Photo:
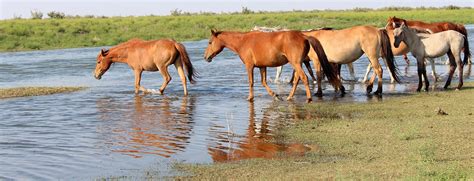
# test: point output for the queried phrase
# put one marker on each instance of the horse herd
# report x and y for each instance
(327, 48)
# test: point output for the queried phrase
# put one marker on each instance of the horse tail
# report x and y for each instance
(461, 29)
(467, 52)
(388, 54)
(183, 55)
(328, 69)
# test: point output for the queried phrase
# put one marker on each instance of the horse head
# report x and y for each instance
(394, 22)
(103, 63)
(399, 34)
(214, 47)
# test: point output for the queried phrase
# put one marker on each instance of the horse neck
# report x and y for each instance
(412, 40)
(119, 54)
(232, 40)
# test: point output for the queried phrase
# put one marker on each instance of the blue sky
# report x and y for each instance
(11, 8)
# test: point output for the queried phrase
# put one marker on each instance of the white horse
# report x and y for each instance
(402, 50)
(429, 46)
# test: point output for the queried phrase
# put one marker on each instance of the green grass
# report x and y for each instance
(29, 34)
(35, 91)
(397, 138)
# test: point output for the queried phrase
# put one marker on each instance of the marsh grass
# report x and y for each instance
(35, 91)
(35, 34)
(397, 138)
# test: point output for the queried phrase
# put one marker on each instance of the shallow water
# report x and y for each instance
(107, 130)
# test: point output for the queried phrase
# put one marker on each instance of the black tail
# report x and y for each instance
(467, 52)
(183, 55)
(388, 54)
(328, 69)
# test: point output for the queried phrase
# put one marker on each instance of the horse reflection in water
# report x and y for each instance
(258, 141)
(150, 125)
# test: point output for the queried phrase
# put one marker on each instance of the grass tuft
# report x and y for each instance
(35, 91)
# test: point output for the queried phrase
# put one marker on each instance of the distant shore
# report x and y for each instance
(75, 32)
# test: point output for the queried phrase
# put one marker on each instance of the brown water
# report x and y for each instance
(108, 131)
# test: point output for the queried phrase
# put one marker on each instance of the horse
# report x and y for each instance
(280, 68)
(433, 27)
(306, 62)
(434, 45)
(154, 55)
(347, 45)
(402, 49)
(271, 49)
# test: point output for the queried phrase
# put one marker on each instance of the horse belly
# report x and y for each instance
(150, 66)
(274, 61)
(434, 51)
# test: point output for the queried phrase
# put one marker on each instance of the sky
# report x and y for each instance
(22, 8)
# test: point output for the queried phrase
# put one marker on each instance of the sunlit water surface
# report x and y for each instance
(108, 131)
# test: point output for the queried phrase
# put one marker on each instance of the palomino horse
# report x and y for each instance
(155, 55)
(280, 68)
(347, 45)
(431, 46)
(271, 49)
(400, 50)
(306, 62)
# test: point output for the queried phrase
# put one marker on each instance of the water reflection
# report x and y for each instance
(159, 126)
(258, 141)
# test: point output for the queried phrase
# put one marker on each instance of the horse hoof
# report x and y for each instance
(369, 90)
(318, 94)
(378, 92)
(277, 97)
(250, 99)
(418, 90)
(161, 92)
(289, 98)
(309, 100)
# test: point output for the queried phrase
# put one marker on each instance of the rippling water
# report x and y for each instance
(107, 130)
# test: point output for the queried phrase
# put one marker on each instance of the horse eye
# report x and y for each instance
(209, 43)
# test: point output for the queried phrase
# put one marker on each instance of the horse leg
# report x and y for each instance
(295, 82)
(350, 68)
(319, 78)
(369, 67)
(138, 77)
(392, 79)
(405, 57)
(166, 78)
(452, 68)
(379, 71)
(263, 74)
(421, 74)
(433, 71)
(278, 74)
(310, 71)
(250, 75)
(460, 70)
(300, 73)
(179, 68)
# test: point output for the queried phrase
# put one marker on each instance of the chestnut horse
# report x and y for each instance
(433, 27)
(155, 55)
(347, 45)
(271, 49)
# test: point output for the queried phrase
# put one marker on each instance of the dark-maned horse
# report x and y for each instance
(271, 49)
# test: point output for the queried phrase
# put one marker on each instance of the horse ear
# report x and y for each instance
(104, 52)
(213, 31)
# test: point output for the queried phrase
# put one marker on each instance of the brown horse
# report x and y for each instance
(155, 55)
(435, 27)
(271, 49)
(347, 45)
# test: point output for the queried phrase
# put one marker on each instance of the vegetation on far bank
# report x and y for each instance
(61, 31)
(424, 136)
(35, 91)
